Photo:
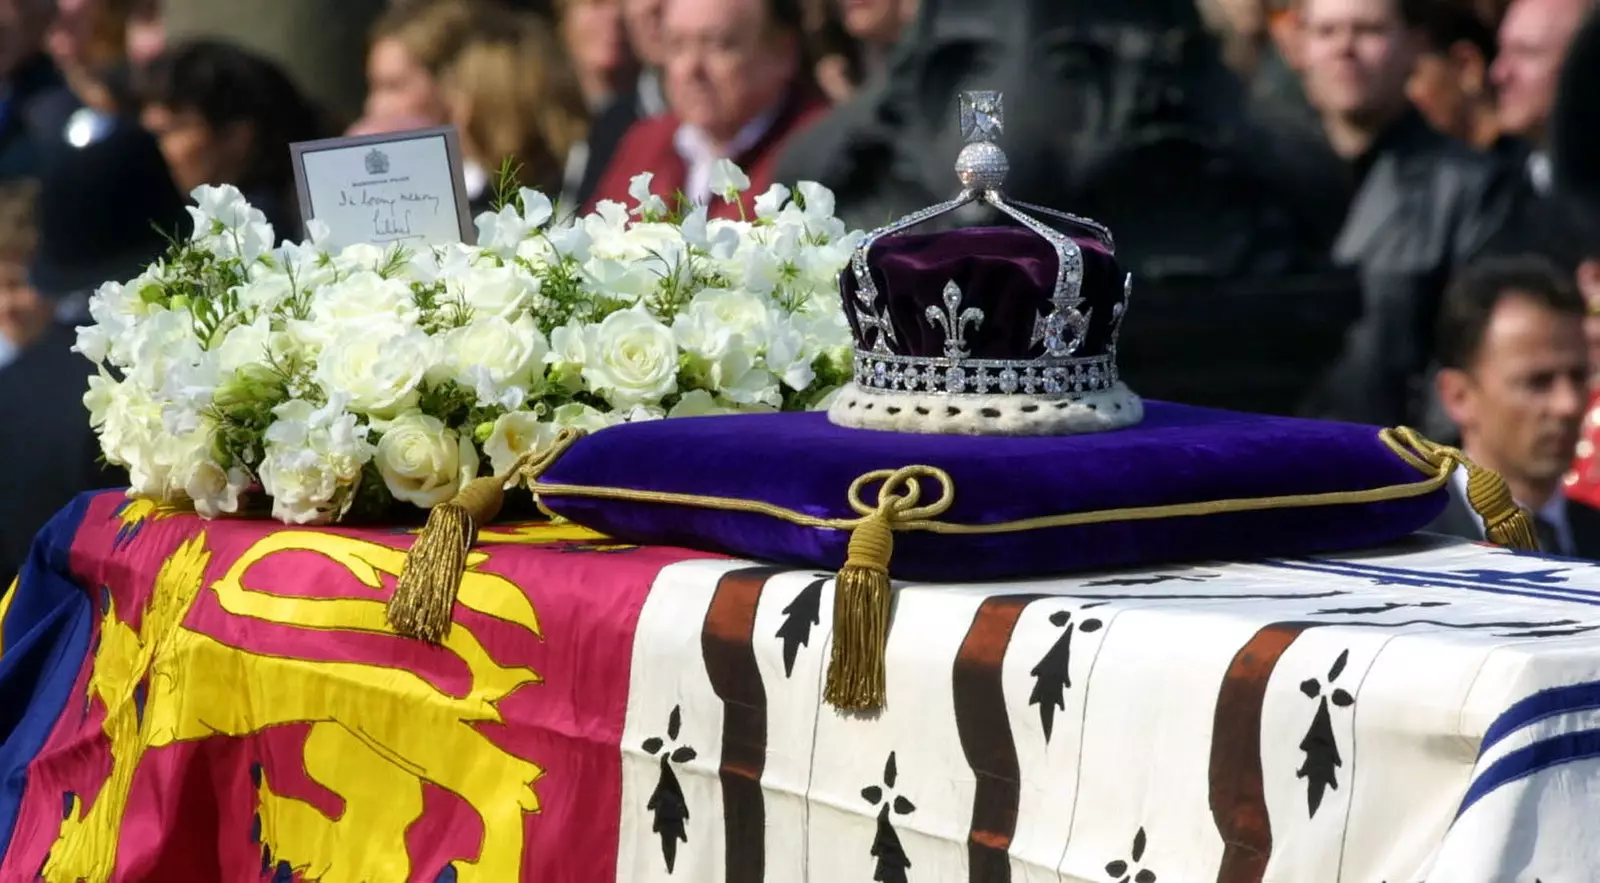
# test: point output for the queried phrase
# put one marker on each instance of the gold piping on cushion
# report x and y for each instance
(863, 596)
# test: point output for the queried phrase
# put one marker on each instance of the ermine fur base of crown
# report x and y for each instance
(987, 413)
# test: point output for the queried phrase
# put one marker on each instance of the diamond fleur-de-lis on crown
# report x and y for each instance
(955, 321)
(982, 116)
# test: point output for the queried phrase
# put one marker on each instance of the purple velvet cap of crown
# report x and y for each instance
(1007, 272)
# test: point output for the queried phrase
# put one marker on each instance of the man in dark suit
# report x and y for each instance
(1514, 378)
(102, 208)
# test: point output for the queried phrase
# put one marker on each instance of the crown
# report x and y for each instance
(377, 162)
(989, 330)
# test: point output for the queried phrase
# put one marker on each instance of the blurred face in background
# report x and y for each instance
(877, 21)
(22, 26)
(399, 86)
(23, 314)
(597, 40)
(1448, 86)
(196, 153)
(145, 36)
(1356, 56)
(1520, 405)
(725, 63)
(71, 32)
(1533, 42)
(643, 19)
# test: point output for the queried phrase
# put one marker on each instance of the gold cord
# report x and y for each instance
(423, 605)
(1505, 523)
(863, 597)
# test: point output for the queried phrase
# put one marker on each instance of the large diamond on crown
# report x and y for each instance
(982, 116)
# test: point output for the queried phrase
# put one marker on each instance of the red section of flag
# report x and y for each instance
(193, 808)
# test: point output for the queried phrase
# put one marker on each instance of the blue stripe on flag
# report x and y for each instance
(1422, 579)
(46, 636)
(1541, 705)
(1528, 760)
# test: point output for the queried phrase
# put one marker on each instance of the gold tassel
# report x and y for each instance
(1505, 523)
(861, 619)
(423, 605)
(862, 595)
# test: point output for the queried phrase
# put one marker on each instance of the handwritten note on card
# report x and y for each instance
(405, 188)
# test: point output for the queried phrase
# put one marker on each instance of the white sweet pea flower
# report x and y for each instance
(789, 356)
(423, 462)
(313, 460)
(634, 360)
(228, 225)
(636, 414)
(198, 478)
(514, 434)
(537, 209)
(728, 180)
(697, 403)
(718, 240)
(651, 207)
(738, 378)
(574, 415)
(501, 232)
(817, 200)
(771, 203)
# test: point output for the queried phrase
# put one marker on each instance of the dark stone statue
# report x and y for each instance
(1122, 111)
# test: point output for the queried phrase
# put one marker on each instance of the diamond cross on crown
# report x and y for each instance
(982, 116)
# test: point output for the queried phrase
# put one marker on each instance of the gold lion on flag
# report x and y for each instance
(377, 735)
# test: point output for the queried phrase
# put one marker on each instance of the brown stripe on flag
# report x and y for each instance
(725, 642)
(985, 731)
(1238, 794)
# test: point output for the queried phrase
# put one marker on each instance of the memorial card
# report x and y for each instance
(404, 187)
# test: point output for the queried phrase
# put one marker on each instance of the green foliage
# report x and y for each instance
(507, 186)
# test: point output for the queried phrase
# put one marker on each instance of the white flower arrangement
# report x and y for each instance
(340, 382)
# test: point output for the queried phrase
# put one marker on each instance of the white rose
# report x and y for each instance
(515, 434)
(501, 292)
(716, 318)
(743, 314)
(500, 361)
(379, 369)
(422, 462)
(634, 360)
(364, 297)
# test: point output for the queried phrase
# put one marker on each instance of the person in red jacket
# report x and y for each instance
(738, 88)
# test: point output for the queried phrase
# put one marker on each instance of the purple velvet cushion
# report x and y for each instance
(1007, 272)
(1179, 454)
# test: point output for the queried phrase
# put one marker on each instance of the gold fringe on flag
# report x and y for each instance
(424, 601)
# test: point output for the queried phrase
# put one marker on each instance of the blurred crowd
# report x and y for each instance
(1410, 143)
